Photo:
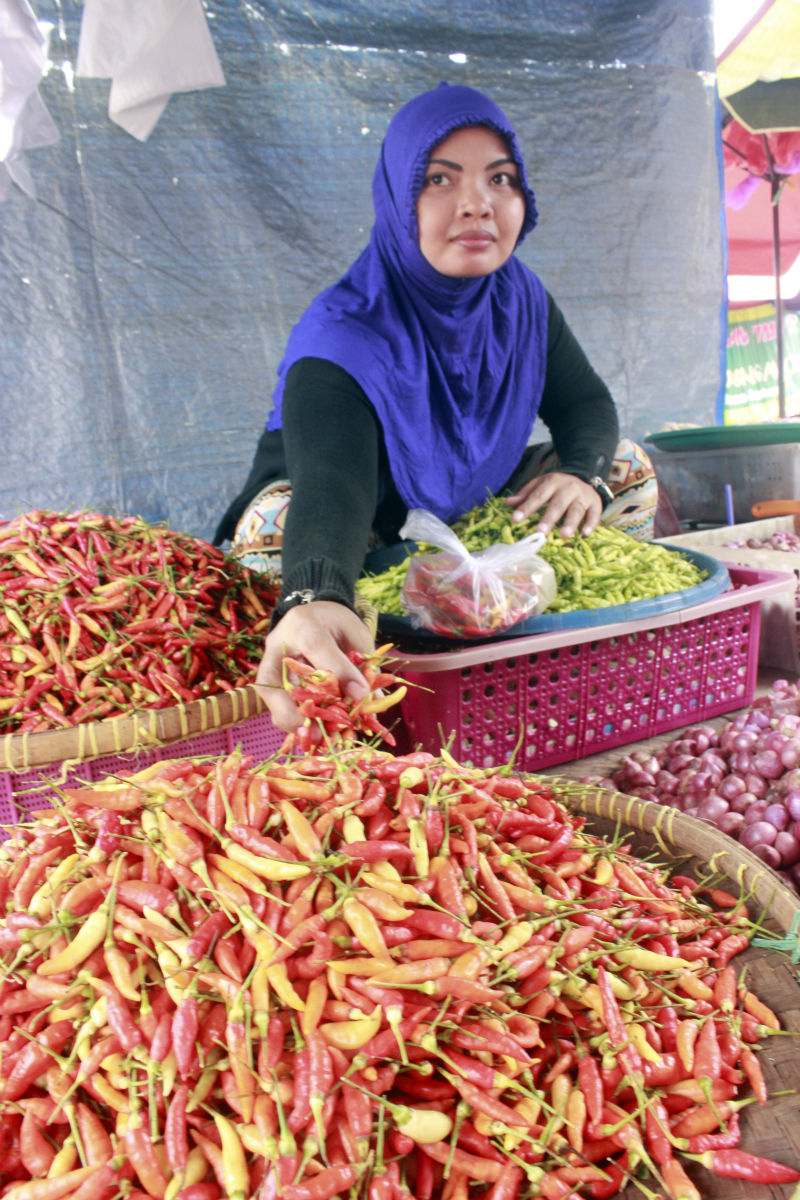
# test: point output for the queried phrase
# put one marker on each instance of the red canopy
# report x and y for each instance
(748, 204)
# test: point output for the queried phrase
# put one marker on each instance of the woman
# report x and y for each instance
(415, 381)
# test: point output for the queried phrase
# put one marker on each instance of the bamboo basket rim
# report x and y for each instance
(773, 1130)
(144, 729)
(676, 834)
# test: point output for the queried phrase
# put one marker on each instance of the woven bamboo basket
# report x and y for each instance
(142, 730)
(695, 848)
(34, 765)
(31, 763)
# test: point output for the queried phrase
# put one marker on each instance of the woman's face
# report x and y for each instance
(471, 208)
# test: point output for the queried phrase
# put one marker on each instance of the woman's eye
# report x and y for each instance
(505, 179)
(436, 178)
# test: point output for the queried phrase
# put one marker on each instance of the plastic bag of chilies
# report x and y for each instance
(459, 594)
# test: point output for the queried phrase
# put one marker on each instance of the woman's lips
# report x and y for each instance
(474, 239)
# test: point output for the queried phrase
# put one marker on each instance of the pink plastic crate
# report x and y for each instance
(557, 697)
(22, 792)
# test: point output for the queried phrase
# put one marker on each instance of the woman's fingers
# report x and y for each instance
(321, 634)
(563, 498)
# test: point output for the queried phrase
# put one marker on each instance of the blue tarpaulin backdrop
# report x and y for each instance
(146, 293)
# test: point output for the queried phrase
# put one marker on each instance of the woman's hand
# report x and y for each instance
(567, 499)
(322, 633)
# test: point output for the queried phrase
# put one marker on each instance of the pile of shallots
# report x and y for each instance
(744, 777)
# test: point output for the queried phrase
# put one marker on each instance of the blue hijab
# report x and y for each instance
(453, 367)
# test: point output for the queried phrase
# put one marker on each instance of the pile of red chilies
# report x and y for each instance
(330, 715)
(102, 616)
(444, 592)
(352, 974)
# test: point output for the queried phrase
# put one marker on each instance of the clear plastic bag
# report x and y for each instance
(466, 595)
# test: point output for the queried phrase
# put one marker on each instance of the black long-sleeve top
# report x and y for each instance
(331, 448)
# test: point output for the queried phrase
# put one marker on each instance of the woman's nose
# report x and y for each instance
(475, 199)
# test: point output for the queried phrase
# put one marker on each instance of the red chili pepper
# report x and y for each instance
(185, 1028)
(329, 1182)
(376, 851)
(301, 1106)
(35, 1058)
(628, 1056)
(120, 1019)
(206, 933)
(707, 1057)
(176, 1141)
(738, 1164)
(715, 1141)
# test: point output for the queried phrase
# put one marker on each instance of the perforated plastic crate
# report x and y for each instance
(553, 698)
(780, 615)
(24, 791)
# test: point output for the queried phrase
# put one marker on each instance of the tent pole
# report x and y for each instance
(775, 191)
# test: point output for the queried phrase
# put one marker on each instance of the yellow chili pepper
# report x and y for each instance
(259, 993)
(424, 1125)
(316, 999)
(119, 968)
(64, 1160)
(239, 872)
(470, 964)
(353, 829)
(620, 987)
(514, 939)
(305, 789)
(90, 935)
(301, 830)
(412, 972)
(55, 1187)
(279, 981)
(356, 966)
(176, 979)
(382, 904)
(418, 845)
(603, 872)
(196, 1169)
(639, 1038)
(206, 1082)
(41, 902)
(389, 881)
(575, 1116)
(236, 1177)
(364, 925)
(650, 960)
(559, 1096)
(109, 1095)
(277, 869)
(588, 994)
(527, 1107)
(352, 1035)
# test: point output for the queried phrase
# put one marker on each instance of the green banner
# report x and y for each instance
(751, 384)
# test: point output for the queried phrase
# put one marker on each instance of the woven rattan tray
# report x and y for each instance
(694, 847)
(121, 735)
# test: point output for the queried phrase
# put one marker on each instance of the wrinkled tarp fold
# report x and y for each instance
(147, 293)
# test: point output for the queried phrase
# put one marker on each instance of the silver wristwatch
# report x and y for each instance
(603, 490)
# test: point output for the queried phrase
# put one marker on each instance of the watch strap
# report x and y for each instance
(603, 490)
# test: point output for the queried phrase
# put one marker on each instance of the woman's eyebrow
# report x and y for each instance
(445, 162)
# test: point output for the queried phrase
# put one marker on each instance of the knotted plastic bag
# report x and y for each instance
(453, 592)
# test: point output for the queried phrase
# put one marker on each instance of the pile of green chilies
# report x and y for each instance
(606, 568)
(101, 616)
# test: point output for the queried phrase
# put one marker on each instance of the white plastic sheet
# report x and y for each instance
(25, 122)
(149, 49)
